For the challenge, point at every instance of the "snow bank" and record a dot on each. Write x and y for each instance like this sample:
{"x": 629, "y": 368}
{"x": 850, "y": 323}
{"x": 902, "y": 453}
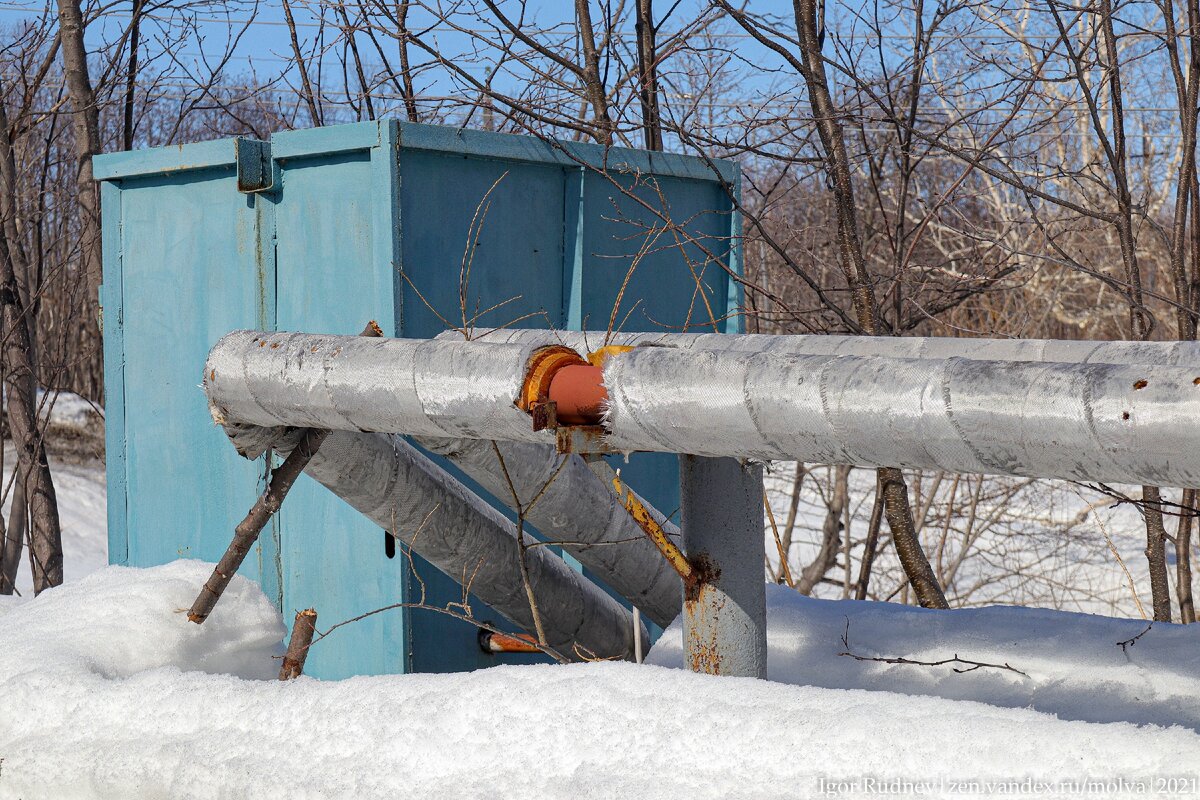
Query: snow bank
{"x": 107, "y": 691}
{"x": 1075, "y": 668}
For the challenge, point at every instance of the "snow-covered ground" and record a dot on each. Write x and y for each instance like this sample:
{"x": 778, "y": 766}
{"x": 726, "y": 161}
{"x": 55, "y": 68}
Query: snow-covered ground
{"x": 108, "y": 691}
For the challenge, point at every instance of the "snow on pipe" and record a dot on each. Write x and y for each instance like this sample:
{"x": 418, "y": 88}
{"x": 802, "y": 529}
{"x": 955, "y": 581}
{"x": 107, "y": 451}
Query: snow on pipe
{"x": 402, "y": 491}
{"x": 577, "y": 510}
{"x": 448, "y": 395}
{"x": 1104, "y": 422}
{"x": 1181, "y": 354}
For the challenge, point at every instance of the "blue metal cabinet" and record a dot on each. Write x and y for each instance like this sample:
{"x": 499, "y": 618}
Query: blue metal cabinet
{"x": 324, "y": 229}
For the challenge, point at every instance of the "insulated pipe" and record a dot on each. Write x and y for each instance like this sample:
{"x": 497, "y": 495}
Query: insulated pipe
{"x": 1181, "y": 354}
{"x": 419, "y": 387}
{"x": 1094, "y": 422}
{"x": 404, "y": 492}
{"x": 575, "y": 509}
{"x": 1098, "y": 422}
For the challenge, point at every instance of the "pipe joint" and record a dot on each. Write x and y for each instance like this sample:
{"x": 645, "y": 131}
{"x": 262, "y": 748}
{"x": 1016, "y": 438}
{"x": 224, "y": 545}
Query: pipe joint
{"x": 561, "y": 388}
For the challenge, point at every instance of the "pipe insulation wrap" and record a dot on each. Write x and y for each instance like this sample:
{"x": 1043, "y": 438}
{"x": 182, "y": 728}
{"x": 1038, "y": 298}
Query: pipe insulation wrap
{"x": 404, "y": 492}
{"x": 1181, "y": 354}
{"x": 575, "y": 509}
{"x": 421, "y": 387}
{"x": 1099, "y": 422}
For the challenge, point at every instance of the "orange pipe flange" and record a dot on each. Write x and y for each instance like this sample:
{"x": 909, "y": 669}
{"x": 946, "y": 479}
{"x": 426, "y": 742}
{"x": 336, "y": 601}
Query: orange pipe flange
{"x": 543, "y": 365}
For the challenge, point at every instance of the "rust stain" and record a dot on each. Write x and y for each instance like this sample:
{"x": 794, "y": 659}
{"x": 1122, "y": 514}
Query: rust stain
{"x": 597, "y": 357}
{"x": 702, "y": 600}
{"x": 1142, "y": 384}
{"x": 580, "y": 438}
{"x": 545, "y": 415}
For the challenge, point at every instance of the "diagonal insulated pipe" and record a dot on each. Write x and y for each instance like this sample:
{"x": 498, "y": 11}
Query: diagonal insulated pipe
{"x": 402, "y": 491}
{"x": 579, "y": 512}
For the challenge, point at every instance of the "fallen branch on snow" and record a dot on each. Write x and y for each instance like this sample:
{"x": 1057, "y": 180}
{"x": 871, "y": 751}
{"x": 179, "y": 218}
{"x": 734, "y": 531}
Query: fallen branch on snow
{"x": 969, "y": 665}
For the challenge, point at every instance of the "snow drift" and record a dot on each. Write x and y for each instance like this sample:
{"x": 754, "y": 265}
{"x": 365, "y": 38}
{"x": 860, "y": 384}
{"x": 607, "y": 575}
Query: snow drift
{"x": 106, "y": 691}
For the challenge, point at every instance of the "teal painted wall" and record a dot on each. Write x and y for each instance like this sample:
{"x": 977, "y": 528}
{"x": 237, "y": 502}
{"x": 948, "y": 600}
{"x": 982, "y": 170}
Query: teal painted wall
{"x": 379, "y": 220}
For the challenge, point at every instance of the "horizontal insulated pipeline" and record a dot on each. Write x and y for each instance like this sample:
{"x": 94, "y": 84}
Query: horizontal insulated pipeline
{"x": 1181, "y": 354}
{"x": 1095, "y": 421}
{"x": 419, "y": 387}
{"x": 575, "y": 509}
{"x": 1099, "y": 422}
{"x": 402, "y": 491}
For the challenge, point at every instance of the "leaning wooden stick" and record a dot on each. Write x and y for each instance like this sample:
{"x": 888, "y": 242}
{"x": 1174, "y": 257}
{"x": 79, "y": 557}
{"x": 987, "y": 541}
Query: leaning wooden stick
{"x": 247, "y": 531}
{"x": 297, "y": 651}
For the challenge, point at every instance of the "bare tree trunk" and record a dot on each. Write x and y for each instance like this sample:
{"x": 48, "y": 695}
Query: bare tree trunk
{"x": 410, "y": 102}
{"x": 34, "y": 497}
{"x": 1156, "y": 553}
{"x": 1183, "y": 558}
{"x": 1188, "y": 93}
{"x": 1140, "y": 322}
{"x": 593, "y": 86}
{"x": 837, "y": 164}
{"x": 831, "y": 531}
{"x": 127, "y": 129}
{"x": 789, "y": 527}
{"x": 11, "y": 547}
{"x": 45, "y": 545}
{"x": 306, "y": 86}
{"x": 871, "y": 546}
{"x": 648, "y": 70}
{"x": 85, "y": 118}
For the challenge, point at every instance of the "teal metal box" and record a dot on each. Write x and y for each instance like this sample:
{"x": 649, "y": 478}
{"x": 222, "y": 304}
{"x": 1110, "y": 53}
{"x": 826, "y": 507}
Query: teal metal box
{"x": 324, "y": 229}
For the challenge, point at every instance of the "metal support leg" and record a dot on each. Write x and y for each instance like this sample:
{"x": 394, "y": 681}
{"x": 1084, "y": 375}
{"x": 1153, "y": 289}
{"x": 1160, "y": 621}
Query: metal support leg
{"x": 725, "y": 608}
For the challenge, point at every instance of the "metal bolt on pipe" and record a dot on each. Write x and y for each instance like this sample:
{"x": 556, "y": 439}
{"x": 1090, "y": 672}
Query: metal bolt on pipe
{"x": 725, "y": 606}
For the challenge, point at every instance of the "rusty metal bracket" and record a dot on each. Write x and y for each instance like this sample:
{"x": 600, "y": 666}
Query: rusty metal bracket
{"x": 582, "y": 439}
{"x": 255, "y": 169}
{"x": 545, "y": 415}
